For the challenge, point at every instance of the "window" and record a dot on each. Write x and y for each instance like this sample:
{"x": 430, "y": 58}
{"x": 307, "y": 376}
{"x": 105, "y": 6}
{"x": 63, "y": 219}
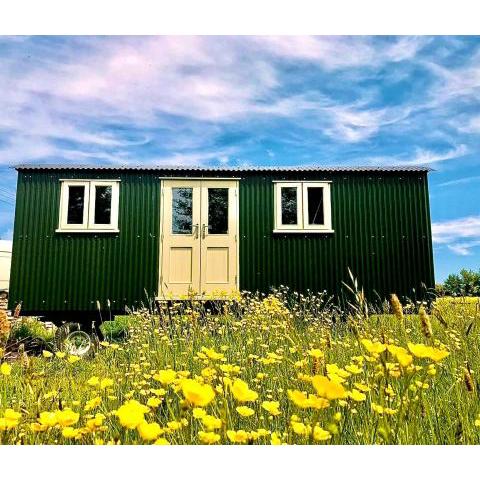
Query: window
{"x": 302, "y": 207}
{"x": 89, "y": 205}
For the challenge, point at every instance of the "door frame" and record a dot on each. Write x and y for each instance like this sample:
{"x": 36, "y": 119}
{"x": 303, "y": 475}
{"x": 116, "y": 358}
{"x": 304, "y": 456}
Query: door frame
{"x": 159, "y": 296}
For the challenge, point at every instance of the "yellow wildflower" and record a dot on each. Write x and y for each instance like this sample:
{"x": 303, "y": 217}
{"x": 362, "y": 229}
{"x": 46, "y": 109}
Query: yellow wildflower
{"x": 208, "y": 438}
{"x": 131, "y": 414}
{"x": 271, "y": 407}
{"x": 149, "y": 431}
{"x": 196, "y": 393}
{"x": 327, "y": 389}
{"x": 321, "y": 435}
{"x": 240, "y": 436}
{"x": 165, "y": 377}
{"x": 5, "y": 369}
{"x": 245, "y": 411}
{"x": 242, "y": 392}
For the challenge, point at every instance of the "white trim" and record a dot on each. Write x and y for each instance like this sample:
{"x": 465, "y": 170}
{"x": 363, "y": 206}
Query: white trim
{"x": 113, "y": 225}
{"x": 278, "y": 206}
{"x": 88, "y": 180}
{"x": 199, "y": 178}
{"x": 296, "y": 181}
{"x": 86, "y": 230}
{"x": 63, "y": 210}
{"x": 88, "y": 225}
{"x": 302, "y": 207}
{"x": 304, "y": 231}
{"x": 327, "y": 209}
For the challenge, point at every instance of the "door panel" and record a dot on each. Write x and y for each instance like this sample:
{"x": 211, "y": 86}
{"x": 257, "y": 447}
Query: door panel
{"x": 199, "y": 237}
{"x": 218, "y": 269}
{"x": 180, "y": 265}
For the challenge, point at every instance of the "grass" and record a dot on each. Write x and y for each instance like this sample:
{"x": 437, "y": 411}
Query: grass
{"x": 362, "y": 389}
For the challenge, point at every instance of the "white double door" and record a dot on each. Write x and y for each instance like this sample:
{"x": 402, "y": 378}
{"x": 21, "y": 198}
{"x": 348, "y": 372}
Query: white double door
{"x": 199, "y": 239}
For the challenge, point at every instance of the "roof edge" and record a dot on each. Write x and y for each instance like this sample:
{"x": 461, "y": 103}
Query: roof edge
{"x": 185, "y": 168}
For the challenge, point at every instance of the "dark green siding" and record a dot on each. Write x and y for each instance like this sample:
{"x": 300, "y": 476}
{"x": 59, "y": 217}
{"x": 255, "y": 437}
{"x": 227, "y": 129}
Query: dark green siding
{"x": 382, "y": 233}
{"x": 381, "y": 222}
{"x": 57, "y": 271}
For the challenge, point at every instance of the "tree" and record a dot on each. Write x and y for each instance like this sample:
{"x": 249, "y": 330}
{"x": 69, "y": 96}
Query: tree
{"x": 467, "y": 282}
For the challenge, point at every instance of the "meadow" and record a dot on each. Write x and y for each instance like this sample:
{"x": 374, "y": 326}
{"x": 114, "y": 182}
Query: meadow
{"x": 276, "y": 369}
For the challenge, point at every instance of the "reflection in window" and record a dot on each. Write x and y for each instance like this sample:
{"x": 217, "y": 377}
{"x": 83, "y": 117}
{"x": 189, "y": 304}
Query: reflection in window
{"x": 76, "y": 204}
{"x": 103, "y": 204}
{"x": 182, "y": 210}
{"x": 289, "y": 206}
{"x": 217, "y": 210}
{"x": 315, "y": 206}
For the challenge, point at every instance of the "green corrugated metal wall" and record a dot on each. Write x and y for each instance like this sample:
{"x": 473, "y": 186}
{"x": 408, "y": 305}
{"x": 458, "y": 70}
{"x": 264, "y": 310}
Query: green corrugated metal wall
{"x": 381, "y": 222}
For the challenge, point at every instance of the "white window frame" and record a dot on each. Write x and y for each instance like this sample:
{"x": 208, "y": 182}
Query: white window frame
{"x": 88, "y": 224}
{"x": 278, "y": 206}
{"x": 302, "y": 207}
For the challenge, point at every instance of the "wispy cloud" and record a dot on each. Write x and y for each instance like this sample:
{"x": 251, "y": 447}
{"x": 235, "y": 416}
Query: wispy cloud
{"x": 460, "y": 235}
{"x": 460, "y": 181}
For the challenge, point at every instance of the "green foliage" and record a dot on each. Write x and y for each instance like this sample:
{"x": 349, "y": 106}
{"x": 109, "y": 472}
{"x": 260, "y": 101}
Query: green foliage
{"x": 31, "y": 329}
{"x": 466, "y": 283}
{"x": 117, "y": 329}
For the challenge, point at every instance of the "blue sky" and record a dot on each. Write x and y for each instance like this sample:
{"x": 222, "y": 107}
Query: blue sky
{"x": 253, "y": 101}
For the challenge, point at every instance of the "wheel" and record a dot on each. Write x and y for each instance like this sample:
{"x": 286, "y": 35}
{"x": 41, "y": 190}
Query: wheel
{"x": 71, "y": 339}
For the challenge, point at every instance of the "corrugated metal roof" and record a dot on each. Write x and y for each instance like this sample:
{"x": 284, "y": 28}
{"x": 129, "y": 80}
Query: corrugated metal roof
{"x": 190, "y": 168}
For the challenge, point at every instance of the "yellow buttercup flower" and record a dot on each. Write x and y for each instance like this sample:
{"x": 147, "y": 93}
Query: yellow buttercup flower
{"x": 315, "y": 353}
{"x": 66, "y": 417}
{"x": 47, "y": 419}
{"x": 73, "y": 359}
{"x": 327, "y": 389}
{"x": 149, "y": 431}
{"x": 106, "y": 383}
{"x": 47, "y": 354}
{"x": 93, "y": 403}
{"x": 208, "y": 438}
{"x": 211, "y": 423}
{"x": 245, "y": 411}
{"x": 5, "y": 369}
{"x": 93, "y": 381}
{"x": 240, "y": 436}
{"x": 154, "y": 402}
{"x": 271, "y": 407}
{"x": 197, "y": 394}
{"x": 373, "y": 347}
{"x": 423, "y": 351}
{"x": 242, "y": 392}
{"x": 10, "y": 419}
{"x": 165, "y": 377}
{"x": 357, "y": 395}
{"x": 70, "y": 432}
{"x": 321, "y": 435}
{"x": 131, "y": 414}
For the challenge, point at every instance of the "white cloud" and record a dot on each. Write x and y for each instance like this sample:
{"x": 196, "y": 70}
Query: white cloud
{"x": 460, "y": 235}
{"x": 465, "y": 248}
{"x": 342, "y": 51}
{"x": 460, "y": 181}
{"x": 421, "y": 157}
{"x": 425, "y": 157}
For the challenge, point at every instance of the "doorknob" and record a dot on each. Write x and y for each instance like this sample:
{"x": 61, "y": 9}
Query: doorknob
{"x": 195, "y": 230}
{"x": 204, "y": 230}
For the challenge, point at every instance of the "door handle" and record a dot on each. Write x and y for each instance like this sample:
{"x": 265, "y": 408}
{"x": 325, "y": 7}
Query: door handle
{"x": 195, "y": 230}
{"x": 204, "y": 230}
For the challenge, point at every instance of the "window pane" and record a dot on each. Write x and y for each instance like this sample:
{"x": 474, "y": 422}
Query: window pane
{"x": 76, "y": 204}
{"x": 218, "y": 210}
{"x": 289, "y": 206}
{"x": 103, "y": 205}
{"x": 182, "y": 210}
{"x": 315, "y": 206}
